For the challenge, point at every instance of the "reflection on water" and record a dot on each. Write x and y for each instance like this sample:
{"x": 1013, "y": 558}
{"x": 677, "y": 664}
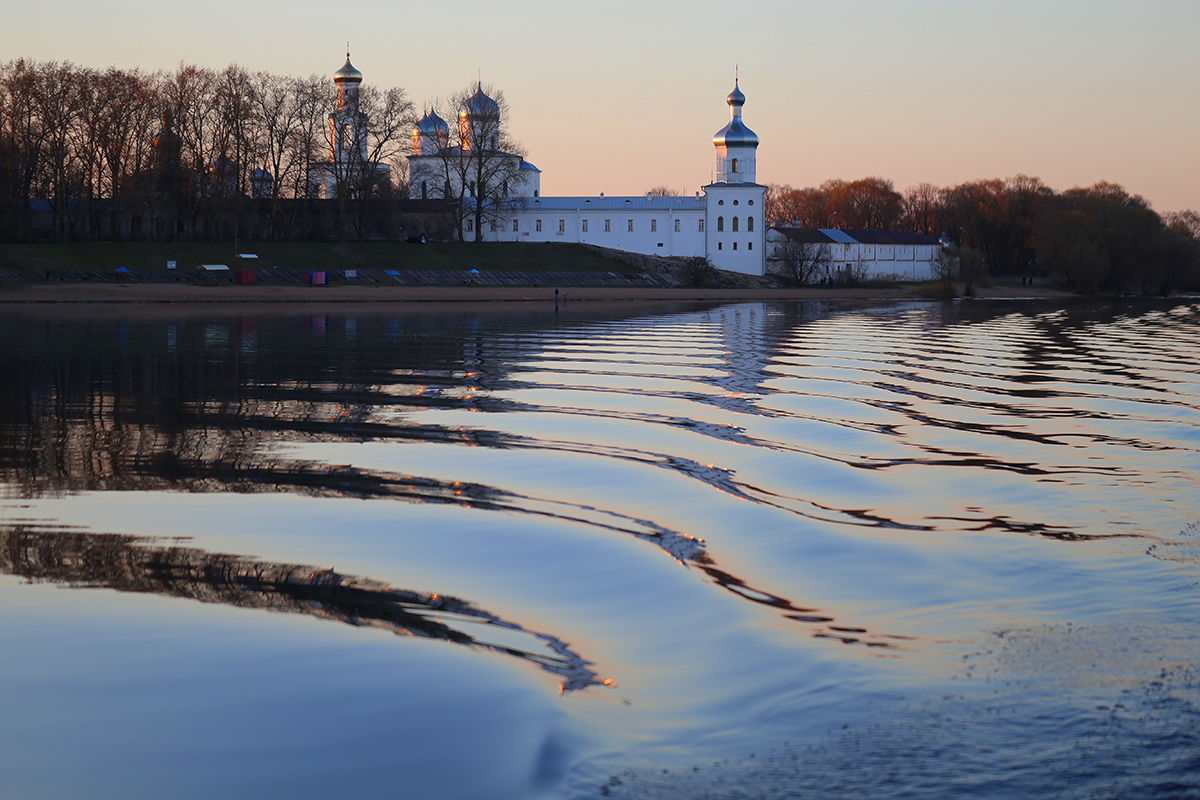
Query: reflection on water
{"x": 905, "y": 478}
{"x": 90, "y": 561}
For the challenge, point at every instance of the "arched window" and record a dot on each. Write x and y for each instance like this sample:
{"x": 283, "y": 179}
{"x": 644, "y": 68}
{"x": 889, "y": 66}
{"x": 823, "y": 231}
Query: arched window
{"x": 734, "y": 169}
{"x": 720, "y": 223}
{"x": 734, "y": 224}
{"x": 749, "y": 223}
{"x": 424, "y": 190}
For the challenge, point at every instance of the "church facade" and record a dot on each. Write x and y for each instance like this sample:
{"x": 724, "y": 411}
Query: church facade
{"x": 723, "y": 222}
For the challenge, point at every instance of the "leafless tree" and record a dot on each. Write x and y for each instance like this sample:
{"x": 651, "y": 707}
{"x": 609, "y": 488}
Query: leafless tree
{"x": 802, "y": 262}
{"x": 481, "y": 164}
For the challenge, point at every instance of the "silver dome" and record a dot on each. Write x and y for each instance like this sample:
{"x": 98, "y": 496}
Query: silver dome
{"x": 479, "y": 104}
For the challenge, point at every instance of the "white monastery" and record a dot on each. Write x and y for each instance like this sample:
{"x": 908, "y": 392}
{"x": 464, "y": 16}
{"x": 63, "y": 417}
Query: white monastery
{"x": 723, "y": 221}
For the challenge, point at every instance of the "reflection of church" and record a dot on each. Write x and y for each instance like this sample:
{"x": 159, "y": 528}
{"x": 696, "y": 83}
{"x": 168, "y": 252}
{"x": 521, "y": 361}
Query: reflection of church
{"x": 724, "y": 221}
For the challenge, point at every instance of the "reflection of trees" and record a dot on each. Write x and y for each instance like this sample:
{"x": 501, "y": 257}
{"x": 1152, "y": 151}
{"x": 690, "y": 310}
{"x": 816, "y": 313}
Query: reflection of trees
{"x": 128, "y": 564}
{"x": 201, "y": 409}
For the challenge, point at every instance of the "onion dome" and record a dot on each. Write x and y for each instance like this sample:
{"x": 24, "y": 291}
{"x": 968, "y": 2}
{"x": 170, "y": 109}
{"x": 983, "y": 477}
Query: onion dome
{"x": 736, "y": 98}
{"x": 222, "y": 167}
{"x": 735, "y": 134}
{"x": 433, "y": 126}
{"x": 166, "y": 139}
{"x": 479, "y": 105}
{"x": 347, "y": 73}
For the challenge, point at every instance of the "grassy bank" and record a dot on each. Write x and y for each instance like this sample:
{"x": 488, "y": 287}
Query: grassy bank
{"x": 311, "y": 256}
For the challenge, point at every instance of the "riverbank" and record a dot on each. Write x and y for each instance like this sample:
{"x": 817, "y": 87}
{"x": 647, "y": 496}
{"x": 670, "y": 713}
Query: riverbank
{"x": 185, "y": 257}
{"x": 107, "y": 293}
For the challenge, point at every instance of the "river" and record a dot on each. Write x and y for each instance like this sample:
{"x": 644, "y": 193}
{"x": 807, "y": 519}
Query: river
{"x": 811, "y": 550}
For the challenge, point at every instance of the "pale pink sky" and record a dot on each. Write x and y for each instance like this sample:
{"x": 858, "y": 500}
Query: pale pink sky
{"x": 621, "y": 96}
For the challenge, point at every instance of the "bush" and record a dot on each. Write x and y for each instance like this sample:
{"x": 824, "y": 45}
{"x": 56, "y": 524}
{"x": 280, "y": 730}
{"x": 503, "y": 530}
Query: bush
{"x": 698, "y": 272}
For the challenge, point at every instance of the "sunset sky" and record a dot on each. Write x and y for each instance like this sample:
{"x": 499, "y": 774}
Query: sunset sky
{"x": 616, "y": 96}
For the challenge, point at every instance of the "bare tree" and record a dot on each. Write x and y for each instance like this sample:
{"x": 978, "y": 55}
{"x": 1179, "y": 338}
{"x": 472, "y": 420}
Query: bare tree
{"x": 191, "y": 92}
{"x": 802, "y": 262}
{"x": 480, "y": 165}
{"x": 1186, "y": 221}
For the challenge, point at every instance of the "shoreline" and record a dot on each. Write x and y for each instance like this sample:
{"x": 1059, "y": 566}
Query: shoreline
{"x": 172, "y": 294}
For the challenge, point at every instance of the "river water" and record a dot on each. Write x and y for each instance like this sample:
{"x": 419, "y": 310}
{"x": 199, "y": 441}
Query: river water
{"x": 643, "y": 551}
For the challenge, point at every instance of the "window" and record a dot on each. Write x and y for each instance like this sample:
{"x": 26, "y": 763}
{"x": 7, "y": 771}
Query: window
{"x": 749, "y": 245}
{"x": 607, "y": 225}
{"x": 719, "y": 245}
{"x": 630, "y": 226}
{"x": 749, "y": 202}
{"x": 535, "y": 192}
{"x": 472, "y": 188}
{"x": 515, "y": 226}
{"x": 424, "y": 190}
{"x": 720, "y": 224}
{"x": 677, "y": 226}
{"x": 735, "y": 202}
{"x": 734, "y": 168}
{"x": 537, "y": 225}
{"x": 561, "y": 226}
{"x": 749, "y": 223}
{"x": 701, "y": 226}
{"x": 493, "y": 225}
{"x": 584, "y": 223}
{"x": 470, "y": 225}
{"x": 734, "y": 228}
{"x": 653, "y": 225}
{"x": 735, "y": 245}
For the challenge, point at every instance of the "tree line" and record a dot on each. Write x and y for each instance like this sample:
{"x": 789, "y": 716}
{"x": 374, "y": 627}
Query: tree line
{"x": 78, "y": 145}
{"x": 1090, "y": 239}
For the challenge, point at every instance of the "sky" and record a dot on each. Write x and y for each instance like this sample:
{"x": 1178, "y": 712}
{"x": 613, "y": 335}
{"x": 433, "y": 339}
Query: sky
{"x": 618, "y": 97}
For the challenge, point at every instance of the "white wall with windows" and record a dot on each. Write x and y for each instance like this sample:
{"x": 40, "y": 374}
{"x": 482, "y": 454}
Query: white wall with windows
{"x": 666, "y": 226}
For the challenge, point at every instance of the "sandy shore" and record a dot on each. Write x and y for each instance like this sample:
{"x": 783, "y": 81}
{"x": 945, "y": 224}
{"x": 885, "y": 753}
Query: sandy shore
{"x": 341, "y": 294}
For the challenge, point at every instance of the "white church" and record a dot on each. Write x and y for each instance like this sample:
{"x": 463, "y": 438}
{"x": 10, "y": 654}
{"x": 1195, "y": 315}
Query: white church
{"x": 724, "y": 221}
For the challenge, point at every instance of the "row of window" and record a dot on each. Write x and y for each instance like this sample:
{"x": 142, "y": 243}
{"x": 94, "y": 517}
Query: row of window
{"x": 749, "y": 245}
{"x": 721, "y": 224}
{"x": 537, "y": 225}
{"x": 608, "y": 225}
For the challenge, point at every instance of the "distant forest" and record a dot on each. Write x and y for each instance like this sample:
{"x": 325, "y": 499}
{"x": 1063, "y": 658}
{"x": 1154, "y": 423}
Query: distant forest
{"x": 202, "y": 155}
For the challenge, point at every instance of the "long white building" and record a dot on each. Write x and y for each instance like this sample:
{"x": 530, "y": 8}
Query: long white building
{"x": 723, "y": 221}
{"x": 888, "y": 255}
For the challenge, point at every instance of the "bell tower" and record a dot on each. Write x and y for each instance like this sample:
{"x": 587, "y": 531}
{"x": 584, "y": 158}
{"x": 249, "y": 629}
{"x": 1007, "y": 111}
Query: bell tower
{"x": 734, "y": 226}
{"x": 736, "y": 144}
{"x": 347, "y": 125}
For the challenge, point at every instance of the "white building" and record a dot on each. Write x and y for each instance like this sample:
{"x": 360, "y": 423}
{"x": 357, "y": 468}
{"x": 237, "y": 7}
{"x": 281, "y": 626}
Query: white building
{"x": 724, "y": 221}
{"x": 885, "y": 255}
{"x": 349, "y": 170}
{"x": 440, "y": 168}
